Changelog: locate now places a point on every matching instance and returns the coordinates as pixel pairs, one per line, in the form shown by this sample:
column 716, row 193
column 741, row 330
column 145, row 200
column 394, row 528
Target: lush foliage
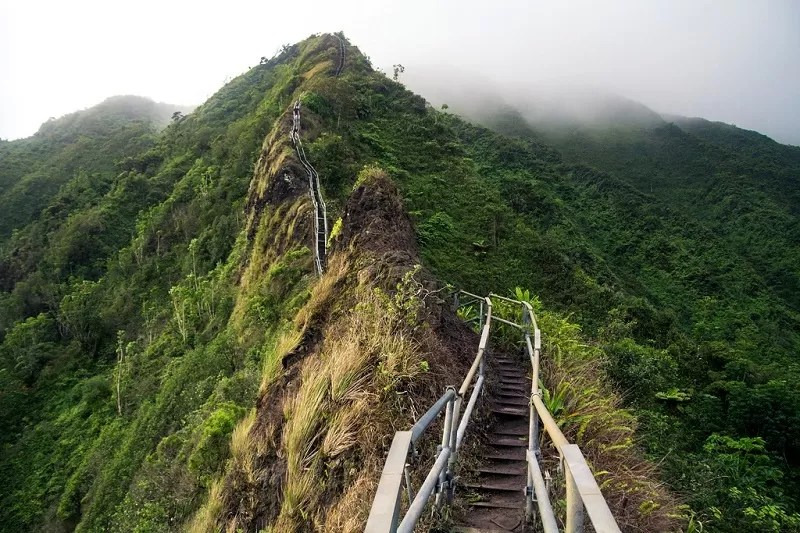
column 133, row 345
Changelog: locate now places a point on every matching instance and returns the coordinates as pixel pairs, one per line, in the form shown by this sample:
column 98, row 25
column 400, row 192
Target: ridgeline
column 173, row 360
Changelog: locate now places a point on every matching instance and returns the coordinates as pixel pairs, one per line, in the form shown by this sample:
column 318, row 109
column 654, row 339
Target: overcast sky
column 729, row 60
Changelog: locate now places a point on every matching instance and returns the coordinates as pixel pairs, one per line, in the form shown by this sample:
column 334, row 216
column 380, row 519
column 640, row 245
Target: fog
column 728, row 60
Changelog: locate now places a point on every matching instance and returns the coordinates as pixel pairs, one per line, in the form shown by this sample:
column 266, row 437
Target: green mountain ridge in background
column 149, row 277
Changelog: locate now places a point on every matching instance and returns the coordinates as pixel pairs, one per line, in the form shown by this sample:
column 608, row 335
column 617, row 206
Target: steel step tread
column 502, row 470
column 512, row 432
column 512, row 402
column 498, row 409
column 494, row 486
column 497, row 505
column 508, row 442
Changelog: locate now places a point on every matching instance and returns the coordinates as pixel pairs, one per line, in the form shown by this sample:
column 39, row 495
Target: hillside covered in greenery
column 167, row 348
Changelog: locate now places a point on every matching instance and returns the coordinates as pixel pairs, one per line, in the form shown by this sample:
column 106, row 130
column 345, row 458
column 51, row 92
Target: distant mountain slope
column 32, row 170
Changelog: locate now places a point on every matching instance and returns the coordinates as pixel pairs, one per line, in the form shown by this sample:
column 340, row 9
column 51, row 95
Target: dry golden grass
column 207, row 517
column 272, row 366
column 349, row 514
column 327, row 417
column 323, row 291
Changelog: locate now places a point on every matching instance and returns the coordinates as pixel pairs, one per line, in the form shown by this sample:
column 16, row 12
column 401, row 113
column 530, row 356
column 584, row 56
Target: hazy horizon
column 734, row 62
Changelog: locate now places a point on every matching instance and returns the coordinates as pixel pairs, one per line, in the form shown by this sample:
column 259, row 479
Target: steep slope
column 163, row 368
column 85, row 144
column 705, row 227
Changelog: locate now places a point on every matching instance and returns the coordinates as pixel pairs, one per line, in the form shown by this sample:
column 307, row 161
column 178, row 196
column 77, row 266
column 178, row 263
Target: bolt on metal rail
column 582, row 491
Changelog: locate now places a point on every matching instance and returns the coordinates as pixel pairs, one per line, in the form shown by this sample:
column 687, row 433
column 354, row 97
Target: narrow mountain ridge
column 172, row 360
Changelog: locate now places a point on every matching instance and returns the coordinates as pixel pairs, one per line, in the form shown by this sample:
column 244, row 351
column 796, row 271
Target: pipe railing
column 320, row 210
column 582, row 491
column 385, row 515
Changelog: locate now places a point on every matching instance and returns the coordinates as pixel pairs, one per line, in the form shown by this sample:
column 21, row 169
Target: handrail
column 582, row 490
column 549, row 523
column 425, row 420
column 320, row 210
column 481, row 349
column 385, row 512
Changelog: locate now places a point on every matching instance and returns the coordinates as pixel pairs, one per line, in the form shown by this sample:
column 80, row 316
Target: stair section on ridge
column 495, row 494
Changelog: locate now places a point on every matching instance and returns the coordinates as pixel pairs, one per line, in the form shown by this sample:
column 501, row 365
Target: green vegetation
column 156, row 281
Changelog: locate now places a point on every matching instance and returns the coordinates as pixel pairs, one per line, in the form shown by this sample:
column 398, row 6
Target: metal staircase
column 320, row 211
column 510, row 467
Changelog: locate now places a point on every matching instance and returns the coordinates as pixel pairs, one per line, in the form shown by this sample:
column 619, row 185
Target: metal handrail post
column 430, row 415
column 549, row 524
column 586, row 497
column 462, row 427
column 446, row 438
column 411, row 518
column 574, row 505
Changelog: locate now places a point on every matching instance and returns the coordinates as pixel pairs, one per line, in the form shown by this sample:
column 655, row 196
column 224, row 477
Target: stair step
column 501, row 410
column 515, row 394
column 513, row 432
column 504, row 453
column 502, row 470
column 497, row 505
column 513, row 379
column 512, row 401
column 511, row 371
column 504, row 457
column 464, row 529
column 509, row 441
column 495, row 486
column 513, row 389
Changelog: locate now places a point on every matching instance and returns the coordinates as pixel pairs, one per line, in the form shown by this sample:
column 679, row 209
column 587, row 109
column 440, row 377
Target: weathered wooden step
column 512, row 431
column 520, row 382
column 511, row 371
column 508, row 389
column 462, row 529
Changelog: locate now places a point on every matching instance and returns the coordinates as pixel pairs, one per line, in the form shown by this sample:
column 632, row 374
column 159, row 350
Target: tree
column 177, row 115
column 28, row 347
column 398, row 69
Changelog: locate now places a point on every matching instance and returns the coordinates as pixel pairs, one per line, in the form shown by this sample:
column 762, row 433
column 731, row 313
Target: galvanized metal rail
column 340, row 65
column 582, row 491
column 385, row 514
column 320, row 211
